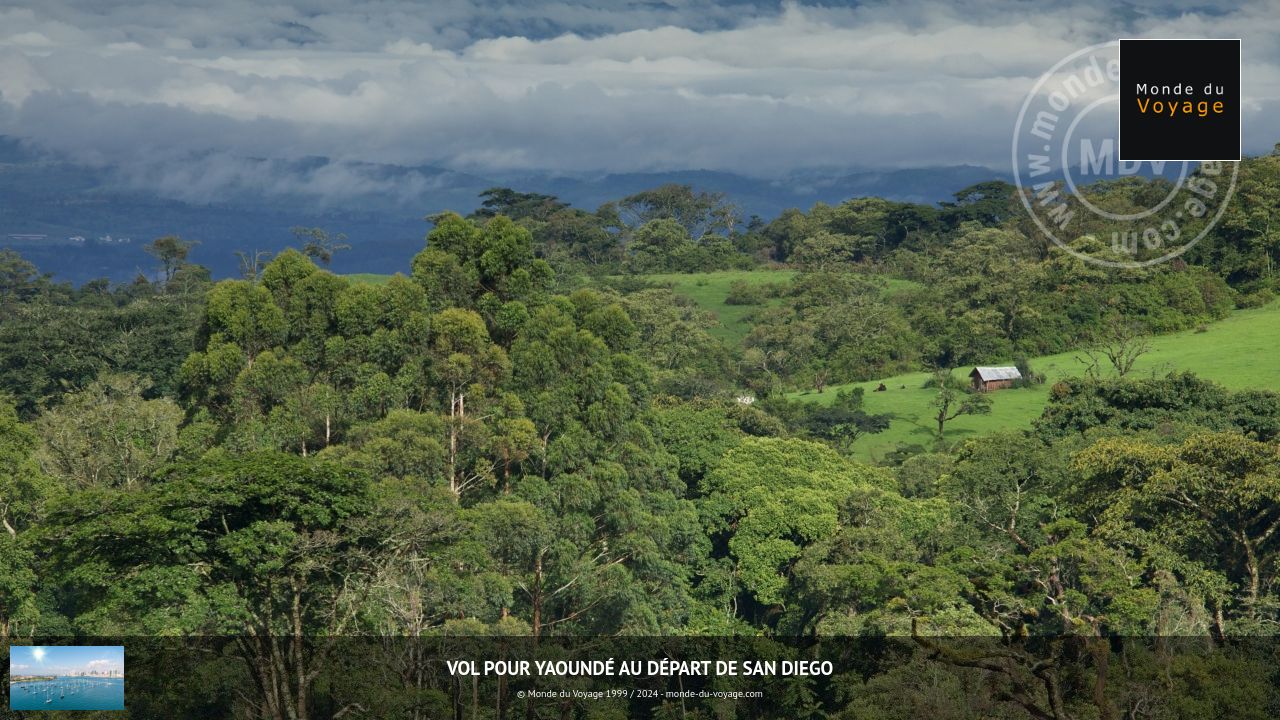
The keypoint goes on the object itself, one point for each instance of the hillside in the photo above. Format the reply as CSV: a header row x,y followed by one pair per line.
x,y
710,289
1238,352
707,289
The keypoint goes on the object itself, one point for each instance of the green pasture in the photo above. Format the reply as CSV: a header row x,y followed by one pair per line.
x,y
1242,351
709,290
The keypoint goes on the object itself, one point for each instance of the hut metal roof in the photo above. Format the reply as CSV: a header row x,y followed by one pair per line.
x,y
996,373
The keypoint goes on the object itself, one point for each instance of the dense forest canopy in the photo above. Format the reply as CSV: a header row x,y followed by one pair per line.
x,y
526,434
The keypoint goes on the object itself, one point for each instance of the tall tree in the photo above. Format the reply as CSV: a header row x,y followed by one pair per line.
x,y
465,265
698,212
769,498
517,205
952,401
171,251
24,490
467,364
109,435
19,279
246,314
1212,502
267,548
318,244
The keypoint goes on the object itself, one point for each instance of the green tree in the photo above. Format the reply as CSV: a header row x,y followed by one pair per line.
x,y
786,232
825,251
246,314
24,491
655,245
23,487
844,421
18,587
697,212
769,498
263,547
987,202
19,279
673,335
467,266
1174,401
951,401
579,235
1211,503
517,205
466,363
1245,244
879,573
51,344
610,542
406,444
318,244
1038,576
171,251
108,435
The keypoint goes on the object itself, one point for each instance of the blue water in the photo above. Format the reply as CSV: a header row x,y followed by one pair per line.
x,y
68,693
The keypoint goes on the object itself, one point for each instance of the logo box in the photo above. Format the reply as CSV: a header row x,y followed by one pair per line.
x,y
1179,100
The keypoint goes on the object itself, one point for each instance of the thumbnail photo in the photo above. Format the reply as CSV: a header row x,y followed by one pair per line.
x,y
69,677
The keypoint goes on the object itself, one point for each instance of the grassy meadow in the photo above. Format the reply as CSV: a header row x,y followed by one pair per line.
x,y
1242,351
709,290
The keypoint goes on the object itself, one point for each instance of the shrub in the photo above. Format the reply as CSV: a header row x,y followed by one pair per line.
x,y
1030,378
743,293
1255,299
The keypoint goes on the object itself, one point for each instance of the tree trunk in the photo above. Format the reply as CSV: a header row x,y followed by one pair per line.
x,y
1219,633
457,412
457,699
502,696
1251,567
536,596
1100,648
257,654
300,668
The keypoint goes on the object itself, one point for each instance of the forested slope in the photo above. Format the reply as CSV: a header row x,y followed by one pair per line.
x,y
523,436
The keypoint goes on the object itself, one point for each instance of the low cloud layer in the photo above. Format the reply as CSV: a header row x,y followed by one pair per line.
x,y
755,88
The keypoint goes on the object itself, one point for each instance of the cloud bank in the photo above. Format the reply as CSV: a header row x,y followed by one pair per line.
x,y
755,88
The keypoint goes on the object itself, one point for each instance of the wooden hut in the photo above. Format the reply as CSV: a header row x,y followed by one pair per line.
x,y
986,379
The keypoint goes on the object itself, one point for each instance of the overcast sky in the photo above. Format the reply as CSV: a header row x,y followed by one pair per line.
x,y
758,88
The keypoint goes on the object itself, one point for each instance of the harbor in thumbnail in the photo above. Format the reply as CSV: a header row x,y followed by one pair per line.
x,y
66,677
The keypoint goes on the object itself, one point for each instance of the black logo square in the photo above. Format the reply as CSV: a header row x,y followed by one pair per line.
x,y
1179,99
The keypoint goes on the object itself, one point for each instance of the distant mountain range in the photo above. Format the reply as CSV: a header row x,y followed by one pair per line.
x,y
82,221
